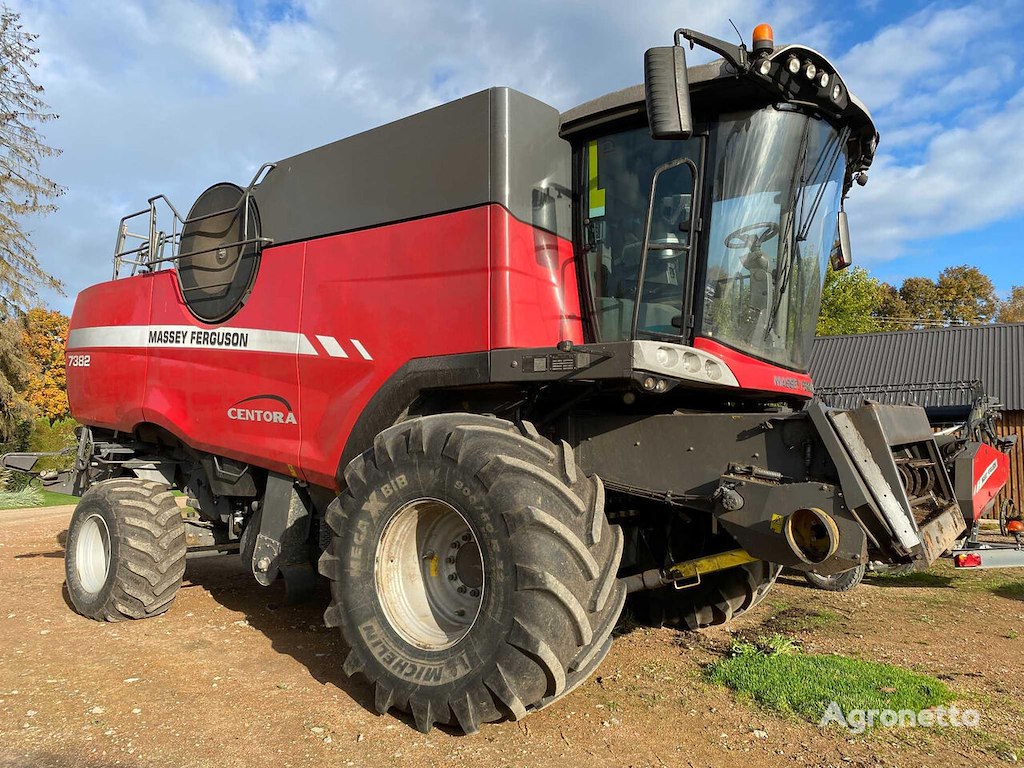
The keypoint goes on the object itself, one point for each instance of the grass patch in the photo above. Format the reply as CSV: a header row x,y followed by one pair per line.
x,y
775,674
29,496
34,496
53,499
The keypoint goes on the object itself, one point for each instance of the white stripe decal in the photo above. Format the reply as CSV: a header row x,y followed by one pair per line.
x,y
332,346
362,350
191,337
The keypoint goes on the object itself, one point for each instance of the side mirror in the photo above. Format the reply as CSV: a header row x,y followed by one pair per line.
x,y
667,90
842,256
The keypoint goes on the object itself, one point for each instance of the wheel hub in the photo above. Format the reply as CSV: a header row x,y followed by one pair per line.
x,y
429,575
92,553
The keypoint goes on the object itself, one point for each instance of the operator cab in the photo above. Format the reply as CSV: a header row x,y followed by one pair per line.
x,y
717,239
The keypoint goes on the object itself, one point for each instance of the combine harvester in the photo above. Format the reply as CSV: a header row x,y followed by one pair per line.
x,y
490,368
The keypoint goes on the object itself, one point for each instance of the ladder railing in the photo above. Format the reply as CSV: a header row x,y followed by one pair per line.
x,y
156,247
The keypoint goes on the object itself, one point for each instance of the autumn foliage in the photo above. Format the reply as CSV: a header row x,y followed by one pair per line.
x,y
855,302
44,336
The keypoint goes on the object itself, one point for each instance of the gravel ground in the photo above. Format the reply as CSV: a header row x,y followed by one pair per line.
x,y
231,676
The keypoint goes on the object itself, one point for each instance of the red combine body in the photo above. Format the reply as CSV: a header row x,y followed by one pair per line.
x,y
283,382
490,368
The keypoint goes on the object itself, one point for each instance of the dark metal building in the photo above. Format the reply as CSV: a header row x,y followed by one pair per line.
x,y
930,367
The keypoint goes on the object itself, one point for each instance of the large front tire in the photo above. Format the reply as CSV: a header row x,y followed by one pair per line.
x,y
125,554
473,570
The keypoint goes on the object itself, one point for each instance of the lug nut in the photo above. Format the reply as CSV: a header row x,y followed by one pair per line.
x,y
474,593
450,560
466,537
462,590
455,545
263,564
451,577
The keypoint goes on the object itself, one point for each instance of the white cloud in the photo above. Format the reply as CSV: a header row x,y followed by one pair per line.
x,y
919,54
173,96
969,177
937,84
911,135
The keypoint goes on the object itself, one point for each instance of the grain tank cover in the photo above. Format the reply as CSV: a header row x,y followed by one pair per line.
x,y
496,146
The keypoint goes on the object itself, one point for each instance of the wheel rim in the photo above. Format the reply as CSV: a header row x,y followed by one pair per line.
x,y
429,574
92,553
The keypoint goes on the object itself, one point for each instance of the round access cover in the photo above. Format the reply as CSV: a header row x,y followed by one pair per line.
x,y
216,274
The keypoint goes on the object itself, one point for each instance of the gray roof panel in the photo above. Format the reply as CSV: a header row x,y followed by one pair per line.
x,y
919,366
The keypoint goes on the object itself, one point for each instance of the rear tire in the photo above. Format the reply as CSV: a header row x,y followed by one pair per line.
x,y
719,598
473,570
125,553
837,582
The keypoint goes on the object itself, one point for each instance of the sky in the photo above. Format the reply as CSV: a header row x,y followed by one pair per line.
x,y
171,96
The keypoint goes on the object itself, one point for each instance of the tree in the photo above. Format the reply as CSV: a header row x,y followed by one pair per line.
x,y
1012,310
892,313
921,298
966,296
24,190
15,369
849,302
44,336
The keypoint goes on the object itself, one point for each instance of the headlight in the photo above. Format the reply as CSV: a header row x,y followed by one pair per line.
x,y
793,64
666,357
837,92
765,68
823,79
810,70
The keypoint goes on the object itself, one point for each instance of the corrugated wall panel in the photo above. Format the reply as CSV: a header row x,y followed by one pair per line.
x,y
992,354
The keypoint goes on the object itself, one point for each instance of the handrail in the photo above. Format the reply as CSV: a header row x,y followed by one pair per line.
x,y
155,242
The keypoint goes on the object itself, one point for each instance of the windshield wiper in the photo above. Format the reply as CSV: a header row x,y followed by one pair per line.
x,y
829,156
785,250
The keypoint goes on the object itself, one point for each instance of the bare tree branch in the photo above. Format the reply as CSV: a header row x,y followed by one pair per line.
x,y
24,190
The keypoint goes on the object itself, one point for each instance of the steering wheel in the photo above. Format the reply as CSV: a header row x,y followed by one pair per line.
x,y
752,236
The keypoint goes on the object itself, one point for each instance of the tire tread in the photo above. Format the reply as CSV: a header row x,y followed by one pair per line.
x,y
567,598
152,545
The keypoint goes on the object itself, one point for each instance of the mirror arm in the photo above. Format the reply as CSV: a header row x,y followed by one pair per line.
x,y
734,54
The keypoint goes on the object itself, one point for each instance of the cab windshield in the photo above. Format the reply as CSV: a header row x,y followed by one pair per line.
x,y
775,192
775,180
